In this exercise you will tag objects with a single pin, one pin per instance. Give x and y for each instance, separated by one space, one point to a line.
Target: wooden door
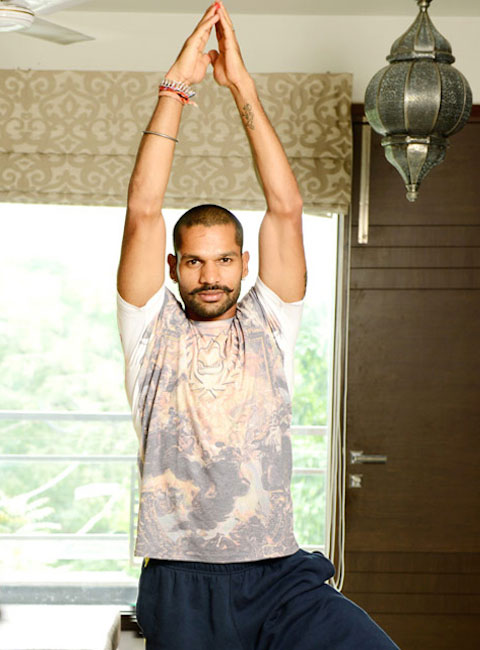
413 528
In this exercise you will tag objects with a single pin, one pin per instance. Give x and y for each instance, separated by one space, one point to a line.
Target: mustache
211 287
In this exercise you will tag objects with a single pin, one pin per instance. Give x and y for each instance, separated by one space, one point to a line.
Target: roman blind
71 137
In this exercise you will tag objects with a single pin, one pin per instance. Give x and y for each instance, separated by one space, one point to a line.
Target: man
210 387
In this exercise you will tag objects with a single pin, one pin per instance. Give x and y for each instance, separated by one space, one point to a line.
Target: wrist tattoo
247 116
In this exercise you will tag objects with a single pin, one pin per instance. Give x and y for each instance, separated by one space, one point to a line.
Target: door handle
358 457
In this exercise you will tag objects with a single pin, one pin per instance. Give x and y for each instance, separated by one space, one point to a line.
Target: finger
206 23
226 14
205 61
213 56
226 27
209 12
202 33
219 30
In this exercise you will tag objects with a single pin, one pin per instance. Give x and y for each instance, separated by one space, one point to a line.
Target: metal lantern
418 100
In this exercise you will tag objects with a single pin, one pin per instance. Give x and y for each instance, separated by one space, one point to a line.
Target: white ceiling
298 7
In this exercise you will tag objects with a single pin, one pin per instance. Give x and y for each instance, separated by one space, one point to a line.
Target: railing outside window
106 535
68 470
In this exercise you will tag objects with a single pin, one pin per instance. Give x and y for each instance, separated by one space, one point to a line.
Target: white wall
128 41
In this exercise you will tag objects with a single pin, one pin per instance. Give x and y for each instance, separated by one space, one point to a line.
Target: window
67 446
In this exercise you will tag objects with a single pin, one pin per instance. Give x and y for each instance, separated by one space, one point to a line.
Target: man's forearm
154 159
141 269
279 183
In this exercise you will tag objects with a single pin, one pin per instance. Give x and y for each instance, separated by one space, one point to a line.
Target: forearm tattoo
247 116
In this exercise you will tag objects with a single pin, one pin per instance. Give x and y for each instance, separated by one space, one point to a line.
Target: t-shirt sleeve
133 323
285 319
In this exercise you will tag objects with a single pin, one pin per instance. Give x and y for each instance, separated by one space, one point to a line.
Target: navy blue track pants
275 604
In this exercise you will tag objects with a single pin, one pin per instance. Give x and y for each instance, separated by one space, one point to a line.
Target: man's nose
209 274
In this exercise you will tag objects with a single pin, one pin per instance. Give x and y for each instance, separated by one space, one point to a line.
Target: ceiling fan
22 15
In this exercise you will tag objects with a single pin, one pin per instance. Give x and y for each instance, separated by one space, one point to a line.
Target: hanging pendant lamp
418 100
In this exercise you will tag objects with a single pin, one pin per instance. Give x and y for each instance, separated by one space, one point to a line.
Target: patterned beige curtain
71 137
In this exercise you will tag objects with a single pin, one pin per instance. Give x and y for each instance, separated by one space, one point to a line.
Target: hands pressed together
192 62
282 262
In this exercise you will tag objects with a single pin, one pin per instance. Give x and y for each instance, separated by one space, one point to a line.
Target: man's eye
226 259
192 262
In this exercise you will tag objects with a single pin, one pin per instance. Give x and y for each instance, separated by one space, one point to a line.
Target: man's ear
172 263
245 260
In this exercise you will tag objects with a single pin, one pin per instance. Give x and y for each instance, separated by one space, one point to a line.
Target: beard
196 307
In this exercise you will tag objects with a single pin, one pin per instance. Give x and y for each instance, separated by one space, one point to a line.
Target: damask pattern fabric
215 451
71 137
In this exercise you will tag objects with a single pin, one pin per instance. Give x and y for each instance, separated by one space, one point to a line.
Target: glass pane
67 497
59 346
309 451
69 519
67 436
308 492
73 519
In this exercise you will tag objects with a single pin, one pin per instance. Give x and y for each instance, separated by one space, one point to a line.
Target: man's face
209 268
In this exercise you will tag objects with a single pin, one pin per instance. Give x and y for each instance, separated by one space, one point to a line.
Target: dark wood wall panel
406 603
416 257
443 278
424 600
413 530
414 583
414 562
414 236
442 632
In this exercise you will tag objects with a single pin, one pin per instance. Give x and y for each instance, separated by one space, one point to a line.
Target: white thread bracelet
161 135
179 87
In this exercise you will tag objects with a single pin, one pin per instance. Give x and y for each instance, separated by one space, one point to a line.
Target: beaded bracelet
181 90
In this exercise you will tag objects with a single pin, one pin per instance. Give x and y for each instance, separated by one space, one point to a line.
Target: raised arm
281 254
142 261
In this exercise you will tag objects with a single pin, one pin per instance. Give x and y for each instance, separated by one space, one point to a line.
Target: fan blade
45 7
54 33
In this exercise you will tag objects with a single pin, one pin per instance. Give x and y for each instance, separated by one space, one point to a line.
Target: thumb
213 56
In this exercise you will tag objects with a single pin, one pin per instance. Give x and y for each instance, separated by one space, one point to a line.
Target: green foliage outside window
60 351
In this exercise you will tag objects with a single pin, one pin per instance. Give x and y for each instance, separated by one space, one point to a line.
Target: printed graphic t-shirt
211 405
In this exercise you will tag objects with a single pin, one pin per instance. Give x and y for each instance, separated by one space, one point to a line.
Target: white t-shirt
133 325
212 407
